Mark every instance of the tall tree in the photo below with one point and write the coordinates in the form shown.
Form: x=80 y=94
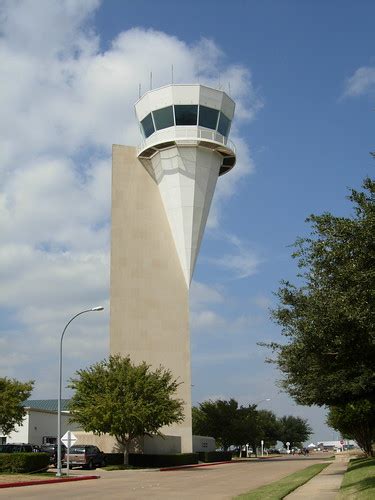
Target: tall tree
x=12 y=394
x=269 y=427
x=124 y=400
x=246 y=428
x=355 y=421
x=329 y=320
x=216 y=419
x=293 y=430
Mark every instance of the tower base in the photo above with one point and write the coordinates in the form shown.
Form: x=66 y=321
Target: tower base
x=149 y=318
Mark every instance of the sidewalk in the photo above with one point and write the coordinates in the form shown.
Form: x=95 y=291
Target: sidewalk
x=325 y=485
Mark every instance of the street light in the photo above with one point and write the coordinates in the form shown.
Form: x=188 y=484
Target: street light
x=261 y=401
x=58 y=474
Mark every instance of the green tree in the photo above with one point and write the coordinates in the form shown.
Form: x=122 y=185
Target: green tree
x=124 y=400
x=329 y=319
x=216 y=419
x=355 y=421
x=269 y=428
x=246 y=428
x=12 y=394
x=231 y=424
x=294 y=430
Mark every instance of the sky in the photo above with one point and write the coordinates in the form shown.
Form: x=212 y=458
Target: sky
x=303 y=78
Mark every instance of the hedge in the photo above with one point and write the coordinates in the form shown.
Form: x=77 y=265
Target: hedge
x=215 y=456
x=114 y=458
x=143 y=460
x=24 y=462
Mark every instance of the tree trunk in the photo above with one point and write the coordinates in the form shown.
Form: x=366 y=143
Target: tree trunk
x=126 y=452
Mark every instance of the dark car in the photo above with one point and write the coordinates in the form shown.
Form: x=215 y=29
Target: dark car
x=16 y=448
x=85 y=455
x=51 y=449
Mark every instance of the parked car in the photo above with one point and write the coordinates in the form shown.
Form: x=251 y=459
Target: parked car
x=16 y=448
x=85 y=456
x=274 y=451
x=51 y=449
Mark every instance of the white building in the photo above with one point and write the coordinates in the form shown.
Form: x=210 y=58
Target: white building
x=40 y=423
x=336 y=445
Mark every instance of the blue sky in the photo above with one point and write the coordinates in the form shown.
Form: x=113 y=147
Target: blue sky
x=303 y=77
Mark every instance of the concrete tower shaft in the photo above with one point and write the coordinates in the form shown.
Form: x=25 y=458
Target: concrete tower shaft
x=185 y=149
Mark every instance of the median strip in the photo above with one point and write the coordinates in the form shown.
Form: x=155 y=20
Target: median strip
x=47 y=481
x=284 y=486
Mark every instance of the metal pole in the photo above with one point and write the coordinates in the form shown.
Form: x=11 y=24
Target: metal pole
x=59 y=473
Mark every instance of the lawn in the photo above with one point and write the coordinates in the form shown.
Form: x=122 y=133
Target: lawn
x=16 y=477
x=359 y=480
x=279 y=489
x=119 y=467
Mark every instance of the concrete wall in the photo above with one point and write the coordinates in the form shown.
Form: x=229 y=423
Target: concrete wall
x=108 y=444
x=203 y=443
x=160 y=445
x=149 y=296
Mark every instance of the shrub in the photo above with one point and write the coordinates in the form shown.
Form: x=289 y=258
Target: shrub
x=143 y=460
x=215 y=456
x=23 y=462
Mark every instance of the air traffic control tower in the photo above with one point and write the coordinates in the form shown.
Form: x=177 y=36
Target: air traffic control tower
x=161 y=197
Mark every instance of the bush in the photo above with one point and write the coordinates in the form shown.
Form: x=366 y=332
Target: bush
x=24 y=462
x=114 y=458
x=140 y=460
x=215 y=456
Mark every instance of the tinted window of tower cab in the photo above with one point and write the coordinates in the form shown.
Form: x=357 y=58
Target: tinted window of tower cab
x=186 y=114
x=163 y=118
x=208 y=117
x=224 y=124
x=148 y=125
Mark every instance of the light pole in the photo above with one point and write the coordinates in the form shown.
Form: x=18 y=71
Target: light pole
x=261 y=401
x=58 y=474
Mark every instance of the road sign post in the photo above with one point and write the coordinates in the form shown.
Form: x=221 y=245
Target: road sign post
x=68 y=439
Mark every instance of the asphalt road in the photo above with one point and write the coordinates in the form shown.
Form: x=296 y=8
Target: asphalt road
x=212 y=482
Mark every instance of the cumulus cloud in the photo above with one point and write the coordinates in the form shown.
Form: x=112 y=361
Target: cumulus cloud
x=361 y=82
x=64 y=101
x=202 y=294
x=242 y=261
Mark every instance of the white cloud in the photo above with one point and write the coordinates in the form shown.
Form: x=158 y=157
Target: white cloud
x=206 y=320
x=263 y=302
x=361 y=82
x=64 y=101
x=201 y=294
x=242 y=262
x=223 y=357
x=228 y=184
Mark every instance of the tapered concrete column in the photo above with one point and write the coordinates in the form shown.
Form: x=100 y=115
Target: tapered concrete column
x=149 y=295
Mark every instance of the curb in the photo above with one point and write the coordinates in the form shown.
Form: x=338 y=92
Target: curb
x=193 y=466
x=47 y=481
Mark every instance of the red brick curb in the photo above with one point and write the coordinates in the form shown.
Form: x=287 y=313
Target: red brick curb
x=192 y=466
x=47 y=481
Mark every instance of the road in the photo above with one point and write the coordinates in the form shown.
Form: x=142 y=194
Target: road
x=217 y=482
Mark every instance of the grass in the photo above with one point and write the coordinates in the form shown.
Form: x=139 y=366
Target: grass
x=15 y=477
x=359 y=480
x=120 y=467
x=281 y=488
